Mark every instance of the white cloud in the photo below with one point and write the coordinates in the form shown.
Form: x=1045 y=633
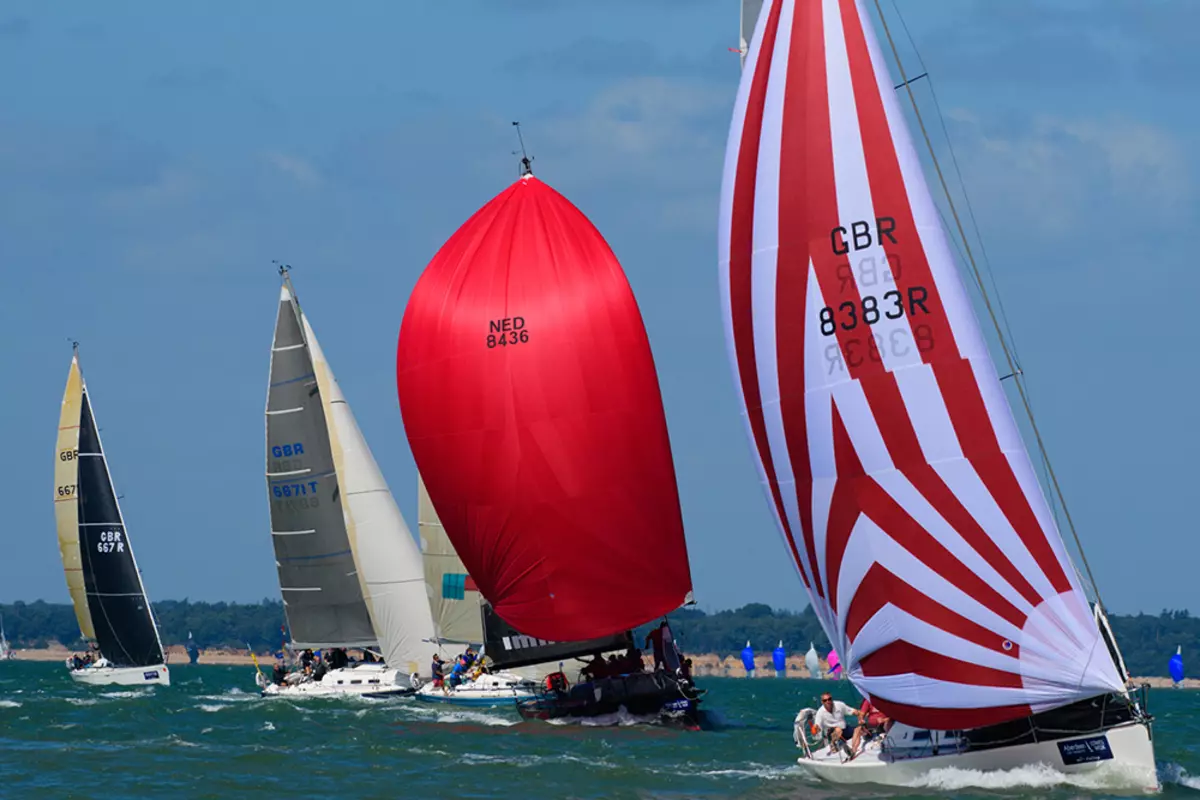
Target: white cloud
x=1059 y=172
x=295 y=168
x=659 y=140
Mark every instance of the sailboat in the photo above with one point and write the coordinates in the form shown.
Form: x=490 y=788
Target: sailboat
x=102 y=574
x=533 y=411
x=6 y=652
x=813 y=662
x=458 y=609
x=349 y=569
x=1175 y=666
x=885 y=443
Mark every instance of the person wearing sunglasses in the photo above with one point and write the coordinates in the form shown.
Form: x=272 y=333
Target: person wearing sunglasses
x=831 y=720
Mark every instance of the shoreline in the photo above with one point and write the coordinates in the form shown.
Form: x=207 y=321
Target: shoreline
x=704 y=665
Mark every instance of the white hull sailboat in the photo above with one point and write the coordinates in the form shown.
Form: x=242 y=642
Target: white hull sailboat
x=6 y=652
x=102 y=575
x=458 y=619
x=349 y=569
x=103 y=674
x=363 y=680
x=885 y=442
x=1127 y=759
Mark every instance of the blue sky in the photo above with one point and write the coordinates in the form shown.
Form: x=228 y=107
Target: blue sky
x=154 y=159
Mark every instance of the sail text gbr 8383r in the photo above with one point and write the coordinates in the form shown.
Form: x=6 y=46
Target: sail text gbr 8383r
x=885 y=443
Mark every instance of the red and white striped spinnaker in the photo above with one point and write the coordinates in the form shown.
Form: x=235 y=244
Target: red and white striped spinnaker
x=885 y=443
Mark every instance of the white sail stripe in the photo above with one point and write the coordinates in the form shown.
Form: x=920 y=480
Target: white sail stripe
x=293 y=533
x=869 y=544
x=764 y=276
x=900 y=489
x=287 y=347
x=1022 y=468
x=304 y=471
x=855 y=204
x=861 y=426
x=284 y=411
x=927 y=410
x=970 y=490
x=932 y=693
x=724 y=237
x=299 y=588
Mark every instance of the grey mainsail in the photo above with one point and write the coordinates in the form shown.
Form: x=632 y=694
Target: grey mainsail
x=322 y=595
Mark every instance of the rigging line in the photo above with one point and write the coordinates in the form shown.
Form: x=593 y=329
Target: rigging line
x=1008 y=353
x=962 y=183
x=1044 y=465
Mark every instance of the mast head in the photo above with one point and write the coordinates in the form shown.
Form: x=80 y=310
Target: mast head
x=526 y=159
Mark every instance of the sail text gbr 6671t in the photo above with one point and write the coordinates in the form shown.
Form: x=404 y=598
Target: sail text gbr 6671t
x=885 y=443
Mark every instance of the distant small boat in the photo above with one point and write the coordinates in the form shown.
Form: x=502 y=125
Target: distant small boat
x=748 y=659
x=1175 y=666
x=779 y=660
x=812 y=661
x=102 y=575
x=192 y=649
x=6 y=652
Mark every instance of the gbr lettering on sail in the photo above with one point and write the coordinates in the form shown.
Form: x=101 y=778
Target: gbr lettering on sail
x=873 y=275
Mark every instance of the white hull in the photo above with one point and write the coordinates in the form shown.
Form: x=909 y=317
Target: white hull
x=1131 y=766
x=157 y=674
x=360 y=680
x=488 y=690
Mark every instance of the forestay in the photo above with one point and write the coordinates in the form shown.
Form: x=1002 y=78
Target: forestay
x=885 y=443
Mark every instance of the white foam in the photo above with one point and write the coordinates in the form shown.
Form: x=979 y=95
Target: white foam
x=1039 y=776
x=9 y=704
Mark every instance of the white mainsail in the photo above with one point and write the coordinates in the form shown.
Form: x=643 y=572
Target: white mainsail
x=385 y=553
x=452 y=594
x=885 y=443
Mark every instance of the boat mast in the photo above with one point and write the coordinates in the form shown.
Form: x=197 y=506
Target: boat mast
x=1014 y=370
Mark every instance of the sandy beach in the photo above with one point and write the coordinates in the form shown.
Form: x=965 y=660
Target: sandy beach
x=703 y=665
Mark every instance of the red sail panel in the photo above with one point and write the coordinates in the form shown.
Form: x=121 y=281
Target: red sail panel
x=533 y=410
x=884 y=442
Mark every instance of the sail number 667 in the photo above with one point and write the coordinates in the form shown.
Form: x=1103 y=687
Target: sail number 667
x=892 y=305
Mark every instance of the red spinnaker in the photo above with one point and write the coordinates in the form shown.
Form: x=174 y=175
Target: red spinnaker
x=532 y=407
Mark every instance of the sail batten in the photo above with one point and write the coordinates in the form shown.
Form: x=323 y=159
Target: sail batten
x=885 y=445
x=317 y=574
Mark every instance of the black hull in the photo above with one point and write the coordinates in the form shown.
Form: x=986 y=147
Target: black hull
x=671 y=701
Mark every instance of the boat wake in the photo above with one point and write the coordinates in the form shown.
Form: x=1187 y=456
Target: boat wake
x=1176 y=774
x=1038 y=776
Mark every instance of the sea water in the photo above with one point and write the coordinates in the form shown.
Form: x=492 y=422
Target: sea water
x=210 y=735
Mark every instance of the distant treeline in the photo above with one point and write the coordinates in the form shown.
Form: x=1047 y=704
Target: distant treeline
x=1147 y=642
